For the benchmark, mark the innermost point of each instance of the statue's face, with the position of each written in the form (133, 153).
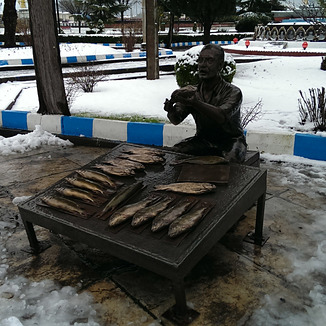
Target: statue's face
(209, 64)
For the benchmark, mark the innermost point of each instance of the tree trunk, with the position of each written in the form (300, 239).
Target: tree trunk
(122, 23)
(207, 32)
(10, 21)
(171, 27)
(47, 61)
(152, 62)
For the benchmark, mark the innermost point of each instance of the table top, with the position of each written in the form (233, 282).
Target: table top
(155, 251)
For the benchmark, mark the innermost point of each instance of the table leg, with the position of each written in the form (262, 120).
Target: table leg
(258, 236)
(180, 297)
(180, 314)
(29, 227)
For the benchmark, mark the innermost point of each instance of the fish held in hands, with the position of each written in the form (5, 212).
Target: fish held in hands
(187, 221)
(97, 176)
(64, 204)
(192, 188)
(128, 211)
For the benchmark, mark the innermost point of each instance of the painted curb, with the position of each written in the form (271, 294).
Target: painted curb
(271, 143)
(88, 58)
(159, 134)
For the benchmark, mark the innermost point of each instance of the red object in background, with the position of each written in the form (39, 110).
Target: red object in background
(235, 40)
(247, 43)
(305, 45)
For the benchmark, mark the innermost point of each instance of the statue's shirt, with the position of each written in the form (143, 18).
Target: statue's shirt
(225, 96)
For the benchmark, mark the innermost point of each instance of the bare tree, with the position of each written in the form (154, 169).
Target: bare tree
(125, 5)
(312, 13)
(76, 8)
(10, 21)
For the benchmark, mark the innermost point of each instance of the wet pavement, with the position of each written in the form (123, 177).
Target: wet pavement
(226, 287)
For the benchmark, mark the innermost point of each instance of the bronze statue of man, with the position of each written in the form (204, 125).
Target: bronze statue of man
(215, 106)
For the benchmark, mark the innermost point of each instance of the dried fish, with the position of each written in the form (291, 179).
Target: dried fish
(149, 212)
(76, 193)
(97, 176)
(169, 215)
(64, 204)
(128, 211)
(143, 158)
(124, 194)
(203, 160)
(125, 163)
(86, 184)
(187, 221)
(116, 170)
(143, 150)
(193, 188)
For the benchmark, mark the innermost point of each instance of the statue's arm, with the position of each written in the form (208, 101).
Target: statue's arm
(176, 111)
(218, 113)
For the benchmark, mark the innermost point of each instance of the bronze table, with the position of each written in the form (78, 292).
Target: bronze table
(171, 258)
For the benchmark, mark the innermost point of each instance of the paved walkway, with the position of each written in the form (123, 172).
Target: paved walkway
(227, 287)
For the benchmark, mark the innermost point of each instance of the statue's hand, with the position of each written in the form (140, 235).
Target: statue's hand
(168, 105)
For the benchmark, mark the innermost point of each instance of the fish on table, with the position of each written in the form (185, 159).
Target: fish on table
(148, 213)
(193, 188)
(128, 211)
(143, 150)
(166, 217)
(202, 160)
(85, 184)
(121, 196)
(143, 158)
(75, 193)
(116, 170)
(64, 204)
(125, 163)
(97, 176)
(187, 221)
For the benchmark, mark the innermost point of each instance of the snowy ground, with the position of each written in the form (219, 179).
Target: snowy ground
(47, 303)
(276, 82)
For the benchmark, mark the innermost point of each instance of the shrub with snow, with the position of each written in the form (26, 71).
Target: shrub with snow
(186, 68)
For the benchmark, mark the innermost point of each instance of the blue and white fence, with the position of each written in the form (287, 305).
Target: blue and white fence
(159, 134)
(88, 58)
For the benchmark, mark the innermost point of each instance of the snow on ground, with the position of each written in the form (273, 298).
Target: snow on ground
(66, 49)
(276, 82)
(34, 140)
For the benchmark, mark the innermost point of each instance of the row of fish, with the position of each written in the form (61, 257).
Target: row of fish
(131, 160)
(162, 214)
(91, 183)
(86, 187)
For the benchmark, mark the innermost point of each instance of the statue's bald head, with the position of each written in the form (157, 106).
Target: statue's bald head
(217, 49)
